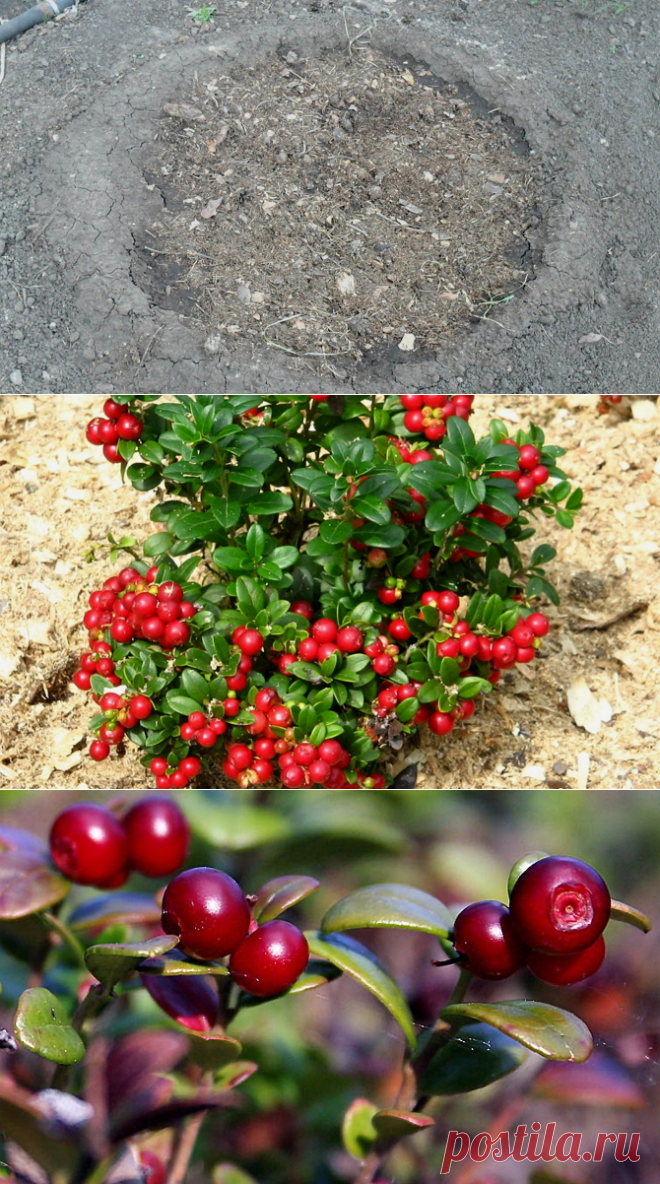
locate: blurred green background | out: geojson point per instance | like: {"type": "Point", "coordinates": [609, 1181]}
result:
{"type": "Point", "coordinates": [319, 1051]}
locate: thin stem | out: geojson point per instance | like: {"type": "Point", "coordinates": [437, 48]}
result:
{"type": "Point", "coordinates": [183, 1148]}
{"type": "Point", "coordinates": [70, 940]}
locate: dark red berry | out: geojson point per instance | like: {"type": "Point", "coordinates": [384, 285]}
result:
{"type": "Point", "coordinates": [486, 940]}
{"type": "Point", "coordinates": [99, 750]}
{"type": "Point", "coordinates": [121, 630]}
{"type": "Point", "coordinates": [157, 834]}
{"type": "Point", "coordinates": [88, 845]}
{"type": "Point", "coordinates": [190, 766]}
{"type": "Point", "coordinates": [113, 409]}
{"type": "Point", "coordinates": [303, 608]}
{"type": "Point", "coordinates": [270, 960]}
{"type": "Point", "coordinates": [176, 633]}
{"type": "Point", "coordinates": [563, 971]}
{"type": "Point", "coordinates": [129, 427]}
{"type": "Point", "coordinates": [93, 432]}
{"type": "Point", "coordinates": [349, 640]}
{"type": "Point", "coordinates": [207, 910]}
{"type": "Point", "coordinates": [399, 630]}
{"type": "Point", "coordinates": [560, 905]}
{"type": "Point", "coordinates": [155, 1170]}
{"type": "Point", "coordinates": [158, 766]}
{"type": "Point", "coordinates": [539, 624]}
{"type": "Point", "coordinates": [170, 591]}
{"type": "Point", "coordinates": [441, 723]}
{"type": "Point", "coordinates": [529, 457]}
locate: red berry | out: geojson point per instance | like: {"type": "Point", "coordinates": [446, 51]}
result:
{"type": "Point", "coordinates": [303, 608]}
{"type": "Point", "coordinates": [237, 682]}
{"type": "Point", "coordinates": [145, 604]}
{"type": "Point", "coordinates": [525, 654]}
{"type": "Point", "coordinates": [486, 940]}
{"type": "Point", "coordinates": [153, 629]}
{"type": "Point", "coordinates": [111, 453]}
{"type": "Point", "coordinates": [206, 737]}
{"type": "Point", "coordinates": [388, 698]}
{"type": "Point", "coordinates": [170, 591]}
{"type": "Point", "coordinates": [240, 755]}
{"type": "Point", "coordinates": [121, 630]}
{"type": "Point", "coordinates": [207, 910]}
{"type": "Point", "coordinates": [93, 432]}
{"type": "Point", "coordinates": [327, 648]}
{"type": "Point", "coordinates": [384, 664]}
{"type": "Point", "coordinates": [412, 402]}
{"type": "Point", "coordinates": [571, 968]}
{"type": "Point", "coordinates": [308, 649]}
{"type": "Point", "coordinates": [522, 634]}
{"type": "Point", "coordinates": [270, 960]}
{"type": "Point", "coordinates": [399, 630]}
{"type": "Point", "coordinates": [330, 751]}
{"type": "Point", "coordinates": [197, 719]}
{"type": "Point", "coordinates": [158, 766]}
{"type": "Point", "coordinates": [163, 782]}
{"type": "Point", "coordinates": [99, 750]}
{"type": "Point", "coordinates": [111, 735]}
{"type": "Point", "coordinates": [349, 640]}
{"type": "Point", "coordinates": [422, 568]}
{"type": "Point", "coordinates": [176, 633]}
{"type": "Point", "coordinates": [128, 575]}
{"type": "Point", "coordinates": [188, 732]}
{"type": "Point", "coordinates": [178, 780]}
{"type": "Point", "coordinates": [539, 624]}
{"type": "Point", "coordinates": [433, 598]}
{"type": "Point", "coordinates": [190, 766]}
{"type": "Point", "coordinates": [263, 770]}
{"type": "Point", "coordinates": [540, 475]}
{"type": "Point", "coordinates": [141, 707]}
{"type": "Point", "coordinates": [169, 610]}
{"type": "Point", "coordinates": [504, 653]}
{"type": "Point", "coordinates": [279, 716]}
{"type": "Point", "coordinates": [469, 645]}
{"type": "Point", "coordinates": [450, 648]}
{"type": "Point", "coordinates": [559, 905]}
{"type": "Point", "coordinates": [374, 649]}
{"type": "Point", "coordinates": [89, 846]}
{"type": "Point", "coordinates": [187, 610]}
{"type": "Point", "coordinates": [285, 661]}
{"type": "Point", "coordinates": [526, 488]}
{"type": "Point", "coordinates": [319, 771]}
{"type": "Point", "coordinates": [529, 457]}
{"type": "Point", "coordinates": [250, 642]}
{"type": "Point", "coordinates": [265, 748]}
{"type": "Point", "coordinates": [82, 679]}
{"type": "Point", "coordinates": [324, 630]}
{"type": "Point", "coordinates": [157, 834]}
{"type": "Point", "coordinates": [266, 698]}
{"type": "Point", "coordinates": [441, 723]}
{"type": "Point", "coordinates": [413, 420]}
{"type": "Point", "coordinates": [389, 595]}
{"type": "Point", "coordinates": [113, 409]}
{"type": "Point", "coordinates": [156, 1172]}
{"type": "Point", "coordinates": [304, 753]}
{"type": "Point", "coordinates": [293, 776]}
{"type": "Point", "coordinates": [107, 431]}
{"type": "Point", "coordinates": [232, 708]}
{"type": "Point", "coordinates": [218, 726]}
{"type": "Point", "coordinates": [105, 667]}
{"type": "Point", "coordinates": [129, 427]}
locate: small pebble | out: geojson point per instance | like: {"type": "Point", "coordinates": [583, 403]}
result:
{"type": "Point", "coordinates": [16, 378]}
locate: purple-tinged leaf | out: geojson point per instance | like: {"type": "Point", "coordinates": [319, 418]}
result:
{"type": "Point", "coordinates": [397, 1124]}
{"type": "Point", "coordinates": [28, 885]}
{"type": "Point", "coordinates": [601, 1082]}
{"type": "Point", "coordinates": [191, 1000]}
{"type": "Point", "coordinates": [280, 894]}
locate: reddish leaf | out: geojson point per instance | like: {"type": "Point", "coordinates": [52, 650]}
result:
{"type": "Point", "coordinates": [602, 1081]}
{"type": "Point", "coordinates": [27, 884]}
{"type": "Point", "coordinates": [280, 894]}
{"type": "Point", "coordinates": [12, 838]}
{"type": "Point", "coordinates": [191, 1000]}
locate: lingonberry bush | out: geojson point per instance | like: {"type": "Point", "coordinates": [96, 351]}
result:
{"type": "Point", "coordinates": [132, 994]}
{"type": "Point", "coordinates": [320, 585]}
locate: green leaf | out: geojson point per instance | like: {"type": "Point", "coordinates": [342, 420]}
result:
{"type": "Point", "coordinates": [134, 908]}
{"type": "Point", "coordinates": [476, 1057]}
{"type": "Point", "coordinates": [42, 1025]}
{"type": "Point", "coordinates": [195, 686]}
{"type": "Point", "coordinates": [158, 544]}
{"type": "Point", "coordinates": [450, 671]}
{"type": "Point", "coordinates": [28, 884]}
{"type": "Point", "coordinates": [469, 688]}
{"type": "Point", "coordinates": [232, 560]}
{"type": "Point", "coordinates": [407, 709]}
{"type": "Point", "coordinates": [181, 703]}
{"type": "Point", "coordinates": [441, 516]}
{"type": "Point", "coordinates": [280, 894]}
{"type": "Point", "coordinates": [565, 519]}
{"type": "Point", "coordinates": [113, 962]}
{"type": "Point", "coordinates": [228, 1173]}
{"type": "Point", "coordinates": [397, 1124]}
{"type": "Point", "coordinates": [174, 964]}
{"type": "Point", "coordinates": [373, 509]}
{"type": "Point", "coordinates": [357, 961]}
{"type": "Point", "coordinates": [464, 497]}
{"type": "Point", "coordinates": [211, 1050]}
{"type": "Point", "coordinates": [547, 1030]}
{"type": "Point", "coordinates": [226, 513]}
{"type": "Point", "coordinates": [389, 906]}
{"type": "Point", "coordinates": [460, 437]}
{"type": "Point", "coordinates": [284, 556]}
{"type": "Point", "coordinates": [381, 536]}
{"type": "Point", "coordinates": [335, 532]}
{"type": "Point", "coordinates": [234, 828]}
{"type": "Point", "coordinates": [255, 542]}
{"type": "Point", "coordinates": [270, 503]}
{"type": "Point", "coordinates": [358, 1132]}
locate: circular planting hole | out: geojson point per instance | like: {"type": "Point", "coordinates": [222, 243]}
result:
{"type": "Point", "coordinates": [337, 206]}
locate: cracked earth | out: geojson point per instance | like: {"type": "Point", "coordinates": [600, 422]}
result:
{"type": "Point", "coordinates": [80, 106]}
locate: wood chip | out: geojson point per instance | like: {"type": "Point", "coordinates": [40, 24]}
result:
{"type": "Point", "coordinates": [586, 709]}
{"type": "Point", "coordinates": [589, 620]}
{"type": "Point", "coordinates": [583, 765]}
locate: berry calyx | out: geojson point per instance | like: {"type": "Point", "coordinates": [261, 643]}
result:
{"type": "Point", "coordinates": [560, 905]}
{"type": "Point", "coordinates": [89, 846]}
{"type": "Point", "coordinates": [270, 960]}
{"type": "Point", "coordinates": [207, 910]}
{"type": "Point", "coordinates": [486, 940]}
{"type": "Point", "coordinates": [157, 834]}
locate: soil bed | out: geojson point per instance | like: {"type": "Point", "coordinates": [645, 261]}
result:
{"type": "Point", "coordinates": [339, 205]}
{"type": "Point", "coordinates": [60, 499]}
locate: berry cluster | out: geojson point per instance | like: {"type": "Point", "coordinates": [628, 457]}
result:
{"type": "Point", "coordinates": [557, 912]}
{"type": "Point", "coordinates": [90, 845]}
{"type": "Point", "coordinates": [131, 606]}
{"type": "Point", "coordinates": [429, 413]}
{"type": "Point", "coordinates": [120, 424]}
{"type": "Point", "coordinates": [209, 913]}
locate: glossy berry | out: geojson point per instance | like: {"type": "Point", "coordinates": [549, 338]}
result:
{"type": "Point", "coordinates": [441, 723]}
{"type": "Point", "coordinates": [486, 940]}
{"type": "Point", "coordinates": [349, 640]}
{"type": "Point", "coordinates": [529, 457]}
{"type": "Point", "coordinates": [559, 905]}
{"type": "Point", "coordinates": [308, 649]}
{"type": "Point", "coordinates": [399, 630]}
{"type": "Point", "coordinates": [384, 664]}
{"type": "Point", "coordinates": [158, 835]}
{"type": "Point", "coordinates": [129, 427]}
{"type": "Point", "coordinates": [270, 960]}
{"type": "Point", "coordinates": [176, 633]}
{"type": "Point", "coordinates": [89, 846]}
{"type": "Point", "coordinates": [563, 971]}
{"type": "Point", "coordinates": [141, 707]}
{"type": "Point", "coordinates": [324, 630]}
{"type": "Point", "coordinates": [82, 679]}
{"type": "Point", "coordinates": [153, 1167]}
{"type": "Point", "coordinates": [208, 911]}
{"type": "Point", "coordinates": [250, 642]}
{"type": "Point", "coordinates": [539, 624]}
{"type": "Point", "coordinates": [99, 750]}
{"type": "Point", "coordinates": [303, 608]}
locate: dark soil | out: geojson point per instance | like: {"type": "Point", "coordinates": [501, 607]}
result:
{"type": "Point", "coordinates": [84, 308]}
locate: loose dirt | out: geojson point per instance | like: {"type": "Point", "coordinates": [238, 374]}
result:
{"type": "Point", "coordinates": [60, 499]}
{"type": "Point", "coordinates": [85, 306]}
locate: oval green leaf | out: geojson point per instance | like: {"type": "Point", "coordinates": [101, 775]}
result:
{"type": "Point", "coordinates": [113, 962]}
{"type": "Point", "coordinates": [211, 1050]}
{"type": "Point", "coordinates": [174, 963]}
{"type": "Point", "coordinates": [28, 885]}
{"type": "Point", "coordinates": [280, 894]}
{"type": "Point", "coordinates": [549, 1031]}
{"type": "Point", "coordinates": [358, 1132]}
{"type": "Point", "coordinates": [476, 1057]}
{"type": "Point", "coordinates": [42, 1025]}
{"type": "Point", "coordinates": [396, 1124]}
{"type": "Point", "coordinates": [389, 906]}
{"type": "Point", "coordinates": [228, 1173]}
{"type": "Point", "coordinates": [355, 959]}
{"type": "Point", "coordinates": [234, 828]}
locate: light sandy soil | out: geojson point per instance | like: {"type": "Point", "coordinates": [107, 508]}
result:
{"type": "Point", "coordinates": [58, 501]}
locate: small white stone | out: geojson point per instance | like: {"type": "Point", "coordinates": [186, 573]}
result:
{"type": "Point", "coordinates": [407, 342]}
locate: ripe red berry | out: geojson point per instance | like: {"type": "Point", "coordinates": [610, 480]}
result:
{"type": "Point", "coordinates": [319, 771]}
{"type": "Point", "coordinates": [540, 475]}
{"type": "Point", "coordinates": [82, 679]}
{"type": "Point", "coordinates": [158, 835]}
{"type": "Point", "coordinates": [250, 642]}
{"type": "Point", "coordinates": [93, 432]}
{"type": "Point", "coordinates": [486, 940]}
{"type": "Point", "coordinates": [349, 640]}
{"type": "Point", "coordinates": [304, 753]}
{"type": "Point", "coordinates": [176, 633]}
{"type": "Point", "coordinates": [293, 776]}
{"type": "Point", "coordinates": [169, 610]}
{"type": "Point", "coordinates": [412, 402]}
{"type": "Point", "coordinates": [526, 488]}
{"type": "Point", "coordinates": [422, 568]}
{"type": "Point", "coordinates": [128, 575]}
{"type": "Point", "coordinates": [324, 630]}
{"type": "Point", "coordinates": [232, 707]}
{"type": "Point", "coordinates": [389, 595]}
{"type": "Point", "coordinates": [88, 845]}
{"type": "Point", "coordinates": [529, 457]}
{"type": "Point", "coordinates": [208, 911]}
{"type": "Point", "coordinates": [206, 737]}
{"type": "Point", "coordinates": [237, 682]}
{"type": "Point", "coordinates": [145, 604]}
{"type": "Point", "coordinates": [559, 905]}
{"type": "Point", "coordinates": [384, 664]}
{"type": "Point", "coordinates": [99, 750]}
{"type": "Point", "coordinates": [129, 427]}
{"type": "Point", "coordinates": [113, 409]}
{"type": "Point", "coordinates": [303, 608]}
{"type": "Point", "coordinates": [399, 630]}
{"type": "Point", "coordinates": [270, 960]}
{"type": "Point", "coordinates": [141, 707]}
{"type": "Point", "coordinates": [262, 770]}
{"type": "Point", "coordinates": [413, 420]}
{"type": "Point", "coordinates": [450, 648]}
{"type": "Point", "coordinates": [240, 755]}
{"type": "Point", "coordinates": [111, 735]}
{"type": "Point", "coordinates": [563, 971]}
{"type": "Point", "coordinates": [279, 716]}
{"type": "Point", "coordinates": [156, 1172]}
{"type": "Point", "coordinates": [522, 634]}
{"type": "Point", "coordinates": [539, 624]}
{"type": "Point", "coordinates": [330, 751]}
{"type": "Point", "coordinates": [441, 723]}
{"type": "Point", "coordinates": [121, 630]}
{"type": "Point", "coordinates": [469, 645]}
{"type": "Point", "coordinates": [107, 432]}
{"type": "Point", "coordinates": [505, 653]}
{"type": "Point", "coordinates": [111, 453]}
{"type": "Point", "coordinates": [266, 698]}
{"type": "Point", "coordinates": [170, 591]}
{"type": "Point", "coordinates": [158, 766]}
{"type": "Point", "coordinates": [308, 649]}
